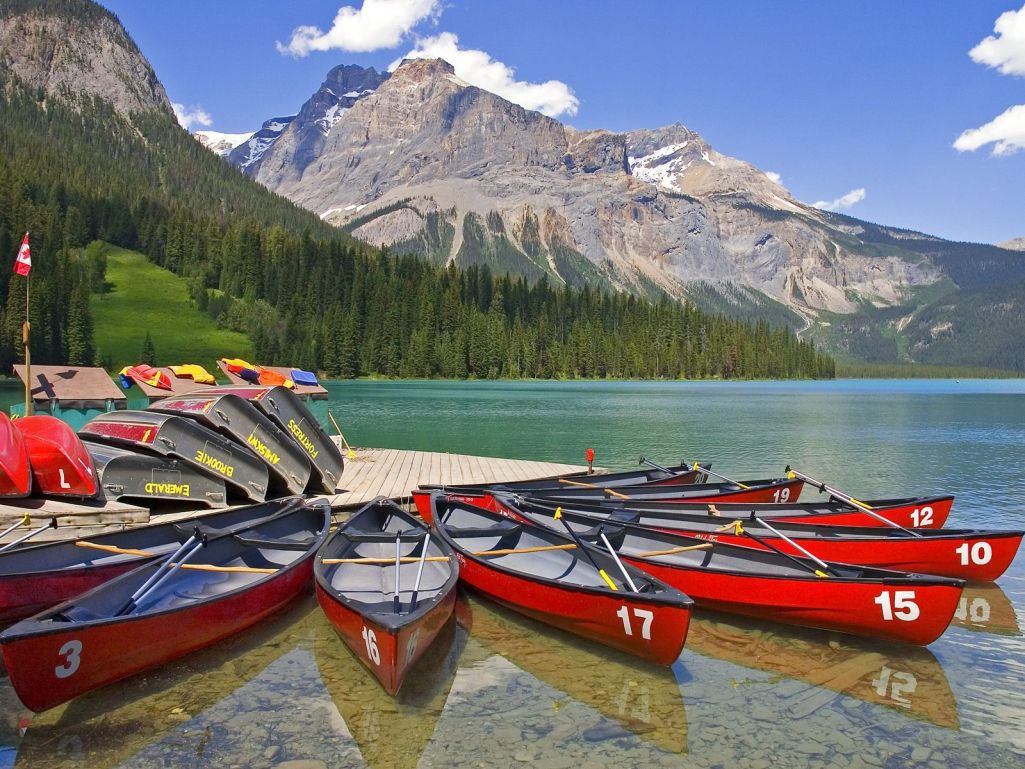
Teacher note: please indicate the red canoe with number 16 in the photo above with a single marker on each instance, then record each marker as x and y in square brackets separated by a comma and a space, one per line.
[387, 619]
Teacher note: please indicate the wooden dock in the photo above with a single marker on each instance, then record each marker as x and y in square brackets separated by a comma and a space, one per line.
[395, 473]
[373, 473]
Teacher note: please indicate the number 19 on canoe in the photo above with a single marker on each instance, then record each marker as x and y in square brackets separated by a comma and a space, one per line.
[901, 604]
[371, 641]
[645, 615]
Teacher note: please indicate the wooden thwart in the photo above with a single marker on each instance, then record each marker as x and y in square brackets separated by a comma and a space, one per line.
[112, 548]
[192, 566]
[613, 492]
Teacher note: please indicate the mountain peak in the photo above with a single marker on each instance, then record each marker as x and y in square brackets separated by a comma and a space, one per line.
[422, 69]
[76, 49]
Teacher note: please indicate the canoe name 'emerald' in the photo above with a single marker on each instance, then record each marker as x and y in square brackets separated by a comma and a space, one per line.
[300, 436]
[215, 464]
[176, 489]
[261, 448]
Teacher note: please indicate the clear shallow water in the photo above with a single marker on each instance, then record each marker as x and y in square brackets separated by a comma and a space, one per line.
[504, 691]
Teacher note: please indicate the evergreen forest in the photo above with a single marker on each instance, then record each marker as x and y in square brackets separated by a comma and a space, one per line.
[74, 171]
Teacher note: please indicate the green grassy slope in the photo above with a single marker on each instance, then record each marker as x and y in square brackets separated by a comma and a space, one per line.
[144, 297]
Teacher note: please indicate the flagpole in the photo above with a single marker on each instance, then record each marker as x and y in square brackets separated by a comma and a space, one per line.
[28, 357]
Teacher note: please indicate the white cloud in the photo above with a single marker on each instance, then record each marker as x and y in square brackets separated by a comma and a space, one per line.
[553, 97]
[774, 178]
[1006, 132]
[1004, 51]
[844, 201]
[377, 24]
[189, 116]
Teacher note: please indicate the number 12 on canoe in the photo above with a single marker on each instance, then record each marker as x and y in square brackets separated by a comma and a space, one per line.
[645, 615]
[901, 604]
[371, 641]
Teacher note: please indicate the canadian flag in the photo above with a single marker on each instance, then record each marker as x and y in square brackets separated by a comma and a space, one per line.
[23, 263]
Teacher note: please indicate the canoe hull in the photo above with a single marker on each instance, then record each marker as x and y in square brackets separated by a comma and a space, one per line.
[827, 604]
[61, 466]
[184, 439]
[398, 649]
[56, 666]
[930, 514]
[22, 595]
[15, 472]
[287, 410]
[777, 491]
[595, 617]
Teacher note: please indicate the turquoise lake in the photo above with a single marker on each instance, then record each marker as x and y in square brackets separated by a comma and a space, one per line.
[499, 690]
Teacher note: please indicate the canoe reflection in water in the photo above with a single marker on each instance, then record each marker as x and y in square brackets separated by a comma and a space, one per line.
[106, 727]
[391, 732]
[642, 697]
[985, 607]
[905, 678]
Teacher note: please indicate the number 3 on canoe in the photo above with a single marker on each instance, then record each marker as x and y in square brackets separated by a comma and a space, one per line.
[72, 653]
[371, 641]
[900, 605]
[645, 615]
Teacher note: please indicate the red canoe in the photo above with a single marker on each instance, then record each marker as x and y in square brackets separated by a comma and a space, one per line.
[762, 490]
[975, 555]
[15, 473]
[34, 578]
[546, 576]
[921, 512]
[680, 475]
[861, 600]
[232, 579]
[61, 465]
[387, 620]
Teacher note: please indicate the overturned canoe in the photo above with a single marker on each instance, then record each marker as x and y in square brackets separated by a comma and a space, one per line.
[15, 473]
[969, 554]
[40, 576]
[287, 410]
[216, 584]
[547, 576]
[240, 420]
[861, 600]
[61, 466]
[387, 607]
[126, 474]
[186, 440]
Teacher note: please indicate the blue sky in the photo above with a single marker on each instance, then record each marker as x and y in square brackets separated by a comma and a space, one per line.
[834, 97]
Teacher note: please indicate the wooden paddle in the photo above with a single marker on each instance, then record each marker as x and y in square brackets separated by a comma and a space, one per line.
[593, 486]
[349, 453]
[867, 509]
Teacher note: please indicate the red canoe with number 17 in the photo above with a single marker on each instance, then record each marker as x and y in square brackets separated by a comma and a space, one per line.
[546, 576]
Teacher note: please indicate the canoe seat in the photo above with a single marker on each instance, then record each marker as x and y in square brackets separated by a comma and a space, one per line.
[495, 530]
[77, 614]
[277, 544]
[382, 536]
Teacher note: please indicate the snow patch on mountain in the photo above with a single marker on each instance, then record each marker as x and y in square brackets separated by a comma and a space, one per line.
[331, 116]
[221, 143]
[661, 166]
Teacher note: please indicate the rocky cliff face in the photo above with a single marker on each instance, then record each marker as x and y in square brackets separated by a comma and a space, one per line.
[423, 161]
[78, 51]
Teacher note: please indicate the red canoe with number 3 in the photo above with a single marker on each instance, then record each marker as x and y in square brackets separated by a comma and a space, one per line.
[388, 620]
[61, 465]
[861, 600]
[547, 576]
[230, 579]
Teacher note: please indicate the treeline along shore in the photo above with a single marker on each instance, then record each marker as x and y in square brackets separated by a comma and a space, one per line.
[75, 171]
